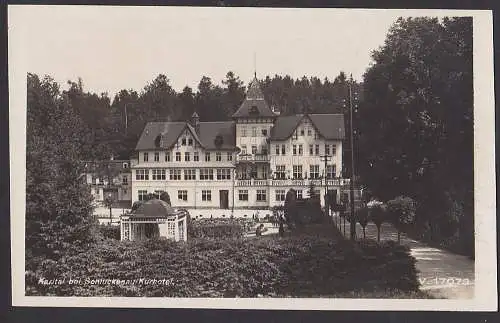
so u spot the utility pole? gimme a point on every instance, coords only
(351, 130)
(326, 159)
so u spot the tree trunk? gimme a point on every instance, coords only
(399, 236)
(364, 233)
(378, 233)
(110, 216)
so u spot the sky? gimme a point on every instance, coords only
(114, 48)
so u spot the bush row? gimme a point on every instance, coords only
(297, 266)
(216, 230)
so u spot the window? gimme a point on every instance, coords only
(334, 150)
(311, 150)
(125, 191)
(327, 149)
(142, 195)
(316, 135)
(224, 173)
(206, 195)
(187, 156)
(157, 193)
(280, 195)
(125, 165)
(277, 149)
(294, 150)
(206, 174)
(300, 150)
(254, 150)
(243, 132)
(190, 141)
(302, 131)
(190, 174)
(264, 132)
(175, 174)
(94, 179)
(331, 171)
(207, 157)
(182, 195)
(243, 149)
(218, 156)
(280, 172)
(196, 156)
(254, 132)
(125, 180)
(309, 132)
(313, 171)
(299, 194)
(167, 156)
(171, 229)
(177, 156)
(317, 150)
(297, 171)
(142, 174)
(183, 142)
(283, 149)
(243, 195)
(157, 156)
(158, 174)
(146, 157)
(294, 137)
(261, 195)
(229, 156)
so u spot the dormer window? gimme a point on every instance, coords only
(183, 141)
(125, 165)
(254, 110)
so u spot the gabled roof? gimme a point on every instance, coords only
(168, 133)
(254, 104)
(329, 126)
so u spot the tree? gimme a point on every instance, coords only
(401, 211)
(377, 214)
(418, 99)
(58, 202)
(109, 200)
(165, 197)
(291, 207)
(362, 218)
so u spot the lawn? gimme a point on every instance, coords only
(316, 262)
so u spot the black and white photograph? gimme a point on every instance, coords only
(242, 157)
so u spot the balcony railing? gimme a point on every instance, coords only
(291, 182)
(253, 158)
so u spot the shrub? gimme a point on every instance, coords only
(110, 231)
(401, 212)
(205, 229)
(377, 214)
(362, 218)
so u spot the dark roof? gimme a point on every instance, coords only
(330, 126)
(154, 209)
(254, 104)
(165, 134)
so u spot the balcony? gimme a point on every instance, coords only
(253, 158)
(291, 182)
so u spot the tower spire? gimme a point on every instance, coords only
(254, 65)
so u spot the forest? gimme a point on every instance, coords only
(412, 124)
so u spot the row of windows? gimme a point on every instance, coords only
(189, 174)
(298, 150)
(255, 132)
(187, 156)
(263, 150)
(206, 195)
(298, 174)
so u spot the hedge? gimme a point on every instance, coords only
(296, 266)
(216, 230)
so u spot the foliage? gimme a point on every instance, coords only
(165, 197)
(110, 231)
(216, 229)
(418, 98)
(291, 212)
(378, 215)
(58, 203)
(306, 265)
(362, 217)
(401, 211)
